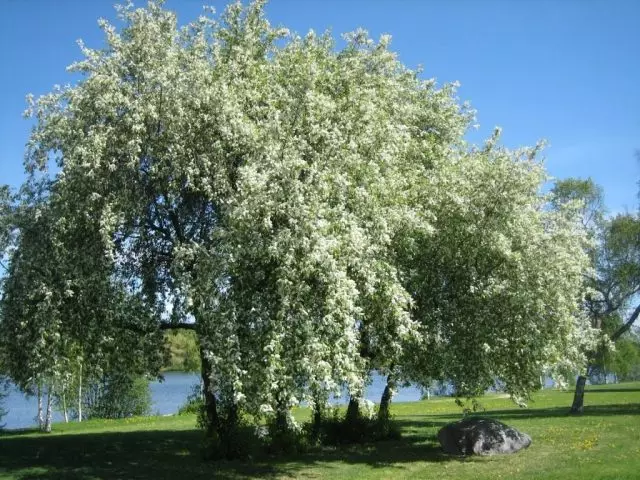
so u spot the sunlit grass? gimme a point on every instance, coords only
(604, 443)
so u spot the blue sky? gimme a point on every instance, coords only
(566, 71)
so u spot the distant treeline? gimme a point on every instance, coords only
(182, 346)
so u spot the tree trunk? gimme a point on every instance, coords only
(385, 401)
(233, 417)
(353, 410)
(64, 407)
(210, 407)
(281, 423)
(40, 414)
(318, 415)
(80, 394)
(316, 425)
(578, 398)
(47, 421)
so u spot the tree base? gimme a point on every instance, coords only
(578, 398)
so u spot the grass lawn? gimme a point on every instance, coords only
(603, 443)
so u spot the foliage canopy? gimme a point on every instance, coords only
(314, 211)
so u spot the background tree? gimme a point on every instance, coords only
(184, 352)
(586, 195)
(621, 362)
(62, 320)
(624, 362)
(497, 283)
(5, 211)
(614, 281)
(615, 287)
(32, 344)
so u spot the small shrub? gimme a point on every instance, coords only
(284, 435)
(118, 395)
(336, 428)
(233, 441)
(194, 403)
(470, 406)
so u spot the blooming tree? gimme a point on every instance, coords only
(498, 282)
(311, 212)
(62, 320)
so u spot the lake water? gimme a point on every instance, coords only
(167, 397)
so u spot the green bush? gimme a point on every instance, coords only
(284, 435)
(194, 403)
(337, 428)
(234, 440)
(250, 437)
(118, 396)
(361, 430)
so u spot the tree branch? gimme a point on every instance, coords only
(624, 328)
(177, 326)
(161, 326)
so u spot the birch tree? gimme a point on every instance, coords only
(30, 321)
(60, 313)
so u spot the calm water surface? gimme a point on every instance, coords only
(167, 397)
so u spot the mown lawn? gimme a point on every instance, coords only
(603, 443)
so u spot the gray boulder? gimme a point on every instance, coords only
(481, 436)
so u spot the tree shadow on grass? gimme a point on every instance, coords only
(17, 432)
(609, 390)
(526, 413)
(167, 454)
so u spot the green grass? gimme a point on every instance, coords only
(603, 443)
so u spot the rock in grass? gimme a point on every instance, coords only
(481, 436)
